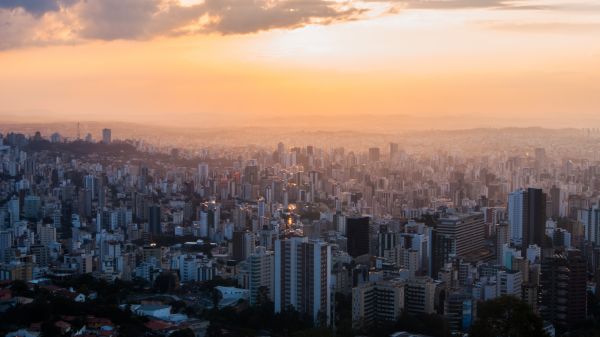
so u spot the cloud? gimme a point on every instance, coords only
(15, 28)
(116, 19)
(35, 22)
(36, 7)
(141, 19)
(248, 16)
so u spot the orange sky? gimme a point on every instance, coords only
(478, 62)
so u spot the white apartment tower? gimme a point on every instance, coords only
(302, 277)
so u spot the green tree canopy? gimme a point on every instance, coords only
(507, 316)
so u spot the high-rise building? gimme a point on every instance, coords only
(590, 218)
(16, 270)
(106, 136)
(261, 275)
(154, 219)
(314, 180)
(387, 241)
(374, 154)
(6, 242)
(420, 295)
(32, 207)
(555, 202)
(302, 277)
(516, 215)
(14, 210)
(527, 217)
(509, 283)
(393, 149)
(442, 251)
(243, 245)
(47, 234)
(85, 202)
(540, 159)
(357, 232)
(41, 253)
(91, 183)
(466, 230)
(459, 310)
(501, 239)
(203, 172)
(563, 289)
(251, 175)
(377, 302)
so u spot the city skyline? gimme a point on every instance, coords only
(423, 64)
(290, 168)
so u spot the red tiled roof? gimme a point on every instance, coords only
(62, 324)
(158, 325)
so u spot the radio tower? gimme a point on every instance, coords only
(78, 133)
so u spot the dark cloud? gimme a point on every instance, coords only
(36, 7)
(135, 19)
(249, 16)
(140, 19)
(116, 19)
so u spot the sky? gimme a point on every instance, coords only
(321, 63)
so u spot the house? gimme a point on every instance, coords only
(231, 296)
(152, 310)
(23, 333)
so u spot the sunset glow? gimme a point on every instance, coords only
(478, 61)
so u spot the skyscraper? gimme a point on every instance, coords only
(32, 207)
(540, 159)
(106, 136)
(516, 215)
(374, 154)
(555, 199)
(420, 295)
(387, 241)
(302, 277)
(243, 245)
(441, 251)
(393, 149)
(260, 278)
(357, 232)
(501, 239)
(376, 303)
(563, 289)
(203, 172)
(466, 230)
(527, 217)
(590, 218)
(460, 308)
(154, 218)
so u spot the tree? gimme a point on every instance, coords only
(507, 316)
(165, 283)
(183, 333)
(263, 296)
(427, 324)
(19, 288)
(313, 332)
